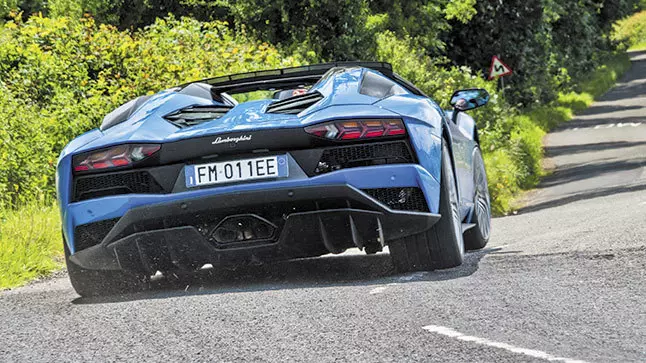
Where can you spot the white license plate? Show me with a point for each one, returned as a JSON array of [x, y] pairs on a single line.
[[236, 171]]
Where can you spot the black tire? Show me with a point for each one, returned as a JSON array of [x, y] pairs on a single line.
[[89, 283], [441, 246], [477, 237]]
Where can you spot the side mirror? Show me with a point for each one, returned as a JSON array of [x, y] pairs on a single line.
[[468, 99]]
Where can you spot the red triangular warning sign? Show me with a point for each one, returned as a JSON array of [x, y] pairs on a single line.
[[498, 68]]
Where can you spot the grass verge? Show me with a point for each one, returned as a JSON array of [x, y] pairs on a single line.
[[518, 166], [638, 47], [30, 244]]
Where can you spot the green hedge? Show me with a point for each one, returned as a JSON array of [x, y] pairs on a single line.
[[631, 31], [551, 45], [511, 138], [510, 143], [59, 77]]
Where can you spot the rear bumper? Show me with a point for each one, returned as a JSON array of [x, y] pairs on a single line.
[[114, 207], [309, 220]]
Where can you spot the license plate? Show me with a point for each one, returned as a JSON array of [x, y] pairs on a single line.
[[237, 171]]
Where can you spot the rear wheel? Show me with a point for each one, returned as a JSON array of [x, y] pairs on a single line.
[[478, 236], [101, 283], [441, 246]]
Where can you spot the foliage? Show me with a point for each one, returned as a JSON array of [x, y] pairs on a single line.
[[576, 102], [328, 28], [27, 159], [26, 7], [422, 21], [495, 123], [125, 14], [7, 6], [631, 31], [605, 75], [511, 139], [340, 29], [30, 244], [60, 77], [462, 10], [72, 8], [638, 47], [432, 75], [550, 44], [502, 175]]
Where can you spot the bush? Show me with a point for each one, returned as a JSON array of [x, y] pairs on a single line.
[[60, 77], [631, 31], [511, 143], [503, 179], [605, 75], [27, 154], [331, 29], [550, 45], [574, 101], [549, 116], [511, 139]]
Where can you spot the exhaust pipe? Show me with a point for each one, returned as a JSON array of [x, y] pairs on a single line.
[[243, 228]]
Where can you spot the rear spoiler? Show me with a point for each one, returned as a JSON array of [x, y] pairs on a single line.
[[293, 77]]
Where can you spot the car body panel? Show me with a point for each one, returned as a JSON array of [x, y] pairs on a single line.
[[425, 121]]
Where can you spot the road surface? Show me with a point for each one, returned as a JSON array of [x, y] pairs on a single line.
[[563, 280]]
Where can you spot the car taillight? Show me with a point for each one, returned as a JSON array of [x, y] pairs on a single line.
[[118, 156], [359, 129]]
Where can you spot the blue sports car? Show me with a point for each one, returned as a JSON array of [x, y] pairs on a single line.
[[270, 165]]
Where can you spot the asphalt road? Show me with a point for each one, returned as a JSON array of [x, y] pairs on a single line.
[[562, 280]]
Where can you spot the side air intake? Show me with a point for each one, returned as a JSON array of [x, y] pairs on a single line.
[[296, 104], [196, 115]]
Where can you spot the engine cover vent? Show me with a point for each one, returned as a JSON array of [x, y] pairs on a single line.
[[195, 115], [295, 105]]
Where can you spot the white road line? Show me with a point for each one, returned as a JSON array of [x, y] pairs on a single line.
[[620, 125], [633, 124], [482, 341], [378, 290]]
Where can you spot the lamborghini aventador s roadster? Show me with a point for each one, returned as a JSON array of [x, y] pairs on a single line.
[[273, 165]]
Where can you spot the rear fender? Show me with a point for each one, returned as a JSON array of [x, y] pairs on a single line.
[[447, 137], [466, 125]]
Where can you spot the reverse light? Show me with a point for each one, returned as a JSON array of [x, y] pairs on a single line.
[[117, 156], [358, 129]]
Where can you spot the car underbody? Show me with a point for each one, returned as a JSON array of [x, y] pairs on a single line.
[[254, 226]]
